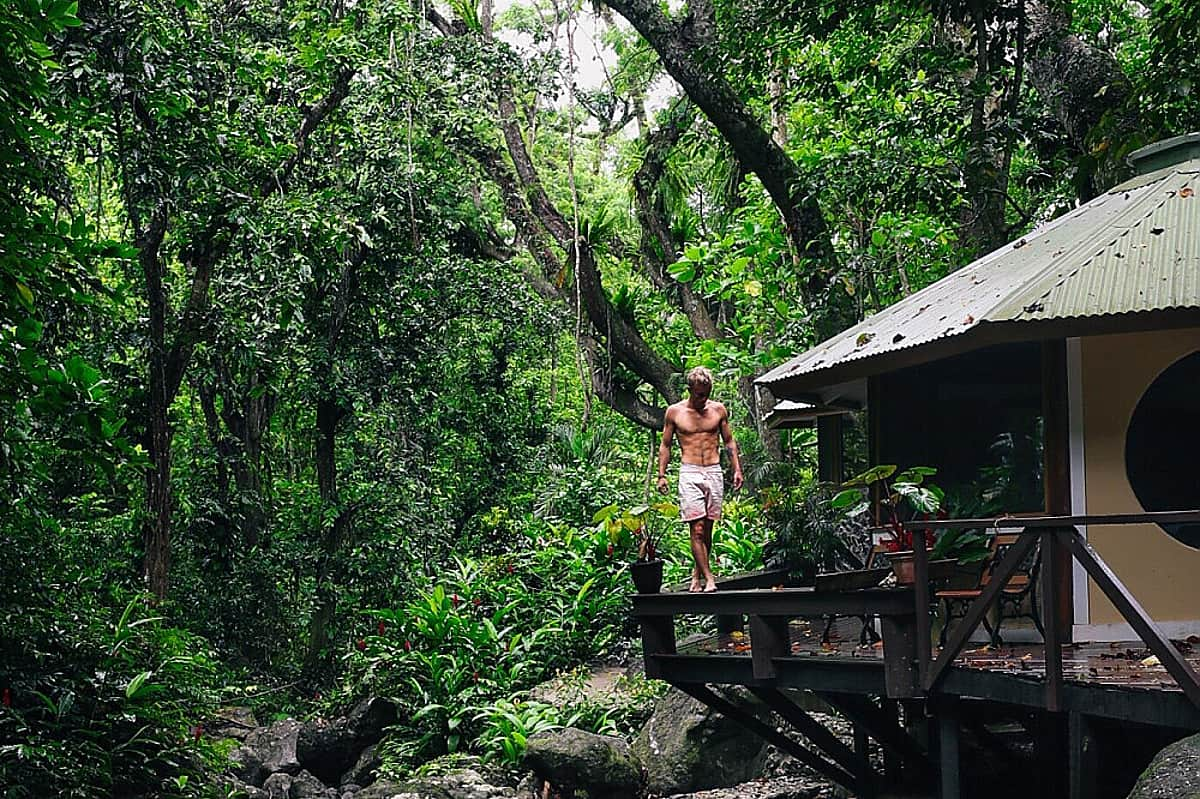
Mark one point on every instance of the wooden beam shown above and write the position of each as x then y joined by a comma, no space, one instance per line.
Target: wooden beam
816,732
831,771
977,609
1170,657
891,736
783,602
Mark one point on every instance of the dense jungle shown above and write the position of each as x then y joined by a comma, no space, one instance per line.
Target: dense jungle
336,335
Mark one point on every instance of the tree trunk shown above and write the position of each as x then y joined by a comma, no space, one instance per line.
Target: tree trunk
1088,93
156,527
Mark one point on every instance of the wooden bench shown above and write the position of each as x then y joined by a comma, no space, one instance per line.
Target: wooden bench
1021,586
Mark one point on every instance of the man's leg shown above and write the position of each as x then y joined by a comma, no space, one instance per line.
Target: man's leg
711,580
701,535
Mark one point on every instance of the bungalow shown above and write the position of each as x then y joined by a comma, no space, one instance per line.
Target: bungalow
1058,375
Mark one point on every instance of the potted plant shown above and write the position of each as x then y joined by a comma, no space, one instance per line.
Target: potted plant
639,523
907,488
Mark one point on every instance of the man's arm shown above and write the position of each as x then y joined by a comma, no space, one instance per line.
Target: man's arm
664,449
727,437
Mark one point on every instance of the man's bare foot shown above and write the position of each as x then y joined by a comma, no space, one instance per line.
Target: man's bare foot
695,587
710,586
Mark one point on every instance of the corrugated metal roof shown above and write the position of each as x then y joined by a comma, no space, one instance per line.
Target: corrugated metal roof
1133,250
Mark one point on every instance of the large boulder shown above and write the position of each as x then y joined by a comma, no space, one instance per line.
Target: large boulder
687,747
267,751
461,783
1173,774
328,748
578,760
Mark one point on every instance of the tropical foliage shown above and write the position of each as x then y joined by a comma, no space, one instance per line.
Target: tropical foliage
328,331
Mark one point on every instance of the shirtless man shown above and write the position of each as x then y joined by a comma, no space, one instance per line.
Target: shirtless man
697,421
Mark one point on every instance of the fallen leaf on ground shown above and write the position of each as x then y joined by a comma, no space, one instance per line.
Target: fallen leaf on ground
1151,661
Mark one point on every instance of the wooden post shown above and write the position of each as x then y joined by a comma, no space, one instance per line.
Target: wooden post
892,764
948,750
768,640
1084,757
829,449
921,600
1057,471
901,647
658,638
1052,624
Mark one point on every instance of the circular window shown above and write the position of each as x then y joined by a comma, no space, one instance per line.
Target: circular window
1162,446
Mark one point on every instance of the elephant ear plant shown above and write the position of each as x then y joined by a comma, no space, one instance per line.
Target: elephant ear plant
895,491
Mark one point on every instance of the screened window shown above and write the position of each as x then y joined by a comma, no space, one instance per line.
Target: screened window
978,419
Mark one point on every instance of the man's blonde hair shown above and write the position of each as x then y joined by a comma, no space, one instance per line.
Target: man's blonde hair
700,376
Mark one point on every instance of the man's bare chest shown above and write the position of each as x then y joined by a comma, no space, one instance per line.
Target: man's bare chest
692,423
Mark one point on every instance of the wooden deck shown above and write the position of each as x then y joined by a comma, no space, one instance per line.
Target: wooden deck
1118,664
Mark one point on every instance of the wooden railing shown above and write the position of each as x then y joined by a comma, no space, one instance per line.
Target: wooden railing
769,612
1058,536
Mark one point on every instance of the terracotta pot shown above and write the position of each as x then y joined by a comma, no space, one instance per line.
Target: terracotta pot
647,575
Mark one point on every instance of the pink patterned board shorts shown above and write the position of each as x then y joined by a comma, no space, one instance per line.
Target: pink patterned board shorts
701,491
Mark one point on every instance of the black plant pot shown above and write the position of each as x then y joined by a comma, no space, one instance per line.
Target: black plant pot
647,576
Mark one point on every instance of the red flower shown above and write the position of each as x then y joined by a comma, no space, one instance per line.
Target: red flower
408,646
6,698
477,601
476,676
610,550
198,732
454,600
509,568
361,644
380,628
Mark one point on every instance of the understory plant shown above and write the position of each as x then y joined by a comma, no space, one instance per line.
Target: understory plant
810,536
483,632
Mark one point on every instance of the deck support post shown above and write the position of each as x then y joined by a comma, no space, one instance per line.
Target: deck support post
921,600
890,714
948,751
1052,552
768,640
902,645
658,638
1084,757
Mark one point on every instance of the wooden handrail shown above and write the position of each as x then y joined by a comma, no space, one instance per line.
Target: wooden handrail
1116,592
1019,522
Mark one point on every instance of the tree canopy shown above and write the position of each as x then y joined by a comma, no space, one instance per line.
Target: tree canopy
306,304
